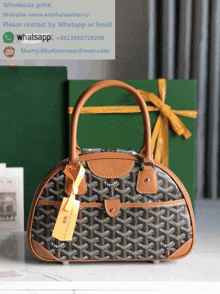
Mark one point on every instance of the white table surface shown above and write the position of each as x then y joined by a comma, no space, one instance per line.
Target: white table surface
203,265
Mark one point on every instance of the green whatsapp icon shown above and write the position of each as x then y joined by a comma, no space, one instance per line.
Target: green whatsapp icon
8,37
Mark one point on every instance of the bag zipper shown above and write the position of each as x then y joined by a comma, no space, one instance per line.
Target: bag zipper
97,150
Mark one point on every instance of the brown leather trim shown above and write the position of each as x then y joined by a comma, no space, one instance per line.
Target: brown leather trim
70,176
147,181
69,186
121,205
83,157
42,253
112,207
110,168
109,155
182,250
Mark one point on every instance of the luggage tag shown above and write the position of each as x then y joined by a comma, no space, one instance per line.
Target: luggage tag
67,216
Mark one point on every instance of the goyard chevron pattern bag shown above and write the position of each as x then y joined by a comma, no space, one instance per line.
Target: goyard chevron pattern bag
131,207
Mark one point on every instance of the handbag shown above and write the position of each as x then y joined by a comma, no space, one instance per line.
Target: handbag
131,208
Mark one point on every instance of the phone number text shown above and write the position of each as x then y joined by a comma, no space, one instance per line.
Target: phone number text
81,38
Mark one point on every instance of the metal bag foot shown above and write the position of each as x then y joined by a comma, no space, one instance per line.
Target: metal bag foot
156,261
65,262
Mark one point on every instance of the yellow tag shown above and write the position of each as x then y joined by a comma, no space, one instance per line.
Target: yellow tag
66,221
70,202
76,184
67,216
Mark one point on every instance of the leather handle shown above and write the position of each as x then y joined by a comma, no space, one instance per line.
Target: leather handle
74,154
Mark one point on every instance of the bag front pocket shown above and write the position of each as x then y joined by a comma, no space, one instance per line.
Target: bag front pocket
140,231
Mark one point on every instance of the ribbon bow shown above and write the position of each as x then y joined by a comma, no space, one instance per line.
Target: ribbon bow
159,139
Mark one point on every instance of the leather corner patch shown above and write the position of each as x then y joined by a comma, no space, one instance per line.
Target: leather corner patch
69,183
110,168
42,252
147,181
182,251
112,207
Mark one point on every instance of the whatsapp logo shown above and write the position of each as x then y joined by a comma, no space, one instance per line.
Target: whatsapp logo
8,37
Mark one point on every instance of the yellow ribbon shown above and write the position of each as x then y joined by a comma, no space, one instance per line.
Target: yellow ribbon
159,138
111,109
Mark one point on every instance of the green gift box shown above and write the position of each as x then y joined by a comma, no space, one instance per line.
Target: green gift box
32,105
125,130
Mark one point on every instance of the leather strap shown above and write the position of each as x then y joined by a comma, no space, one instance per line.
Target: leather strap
74,154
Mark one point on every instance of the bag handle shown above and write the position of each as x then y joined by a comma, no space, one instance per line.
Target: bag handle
74,153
